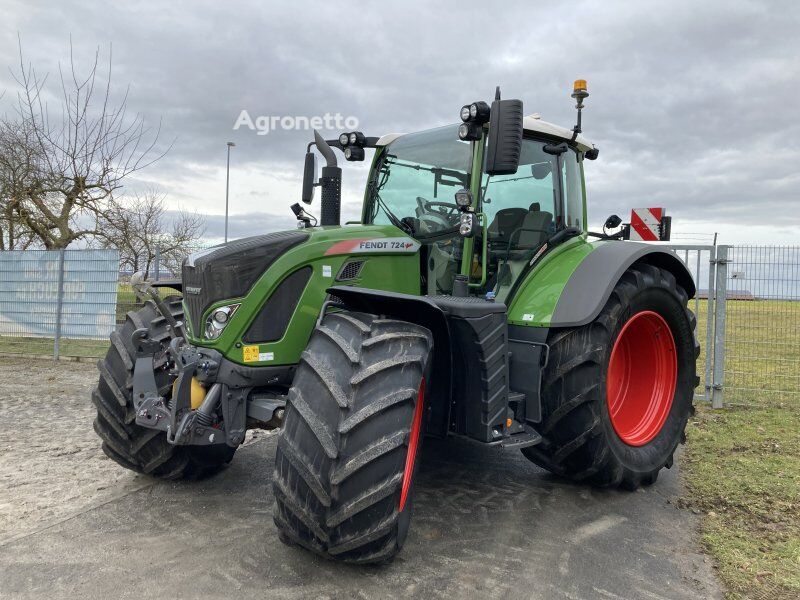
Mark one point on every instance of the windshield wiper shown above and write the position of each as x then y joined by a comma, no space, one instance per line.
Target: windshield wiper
393,219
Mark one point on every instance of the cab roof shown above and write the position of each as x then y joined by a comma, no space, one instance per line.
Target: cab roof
532,123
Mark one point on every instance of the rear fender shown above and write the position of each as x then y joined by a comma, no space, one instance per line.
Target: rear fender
589,287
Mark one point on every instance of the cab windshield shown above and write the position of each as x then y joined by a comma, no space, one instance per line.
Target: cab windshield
415,181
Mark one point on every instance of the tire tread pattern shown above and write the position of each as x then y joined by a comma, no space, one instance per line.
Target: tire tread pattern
574,444
341,452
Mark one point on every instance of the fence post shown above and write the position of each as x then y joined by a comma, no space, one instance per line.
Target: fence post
719,326
59,303
710,303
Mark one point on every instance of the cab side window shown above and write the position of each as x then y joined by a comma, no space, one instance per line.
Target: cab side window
532,184
522,209
572,181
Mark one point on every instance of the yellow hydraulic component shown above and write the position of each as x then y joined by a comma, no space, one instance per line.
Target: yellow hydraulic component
198,392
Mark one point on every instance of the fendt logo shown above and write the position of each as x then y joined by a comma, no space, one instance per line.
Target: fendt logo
385,245
378,245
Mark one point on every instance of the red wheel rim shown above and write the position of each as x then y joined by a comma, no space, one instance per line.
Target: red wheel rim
642,374
413,444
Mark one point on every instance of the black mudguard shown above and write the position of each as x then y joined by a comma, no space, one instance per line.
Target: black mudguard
590,285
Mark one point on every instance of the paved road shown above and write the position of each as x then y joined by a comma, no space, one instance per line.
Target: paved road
487,524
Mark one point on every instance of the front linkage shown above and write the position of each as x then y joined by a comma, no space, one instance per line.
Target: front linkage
191,416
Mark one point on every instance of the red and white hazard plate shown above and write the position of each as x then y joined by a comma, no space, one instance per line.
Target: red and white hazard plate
646,223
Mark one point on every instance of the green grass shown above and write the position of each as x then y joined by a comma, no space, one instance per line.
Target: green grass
742,463
762,352
742,470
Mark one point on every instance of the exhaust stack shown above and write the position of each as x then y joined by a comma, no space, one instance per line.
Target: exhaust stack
331,183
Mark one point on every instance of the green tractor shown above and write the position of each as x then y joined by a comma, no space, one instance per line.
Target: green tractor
470,300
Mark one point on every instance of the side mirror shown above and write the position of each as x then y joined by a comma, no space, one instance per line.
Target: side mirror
505,137
309,177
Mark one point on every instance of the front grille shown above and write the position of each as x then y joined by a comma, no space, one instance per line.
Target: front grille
230,270
350,270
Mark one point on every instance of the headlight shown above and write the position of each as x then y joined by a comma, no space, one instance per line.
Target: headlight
344,138
218,320
463,198
467,225
465,113
469,132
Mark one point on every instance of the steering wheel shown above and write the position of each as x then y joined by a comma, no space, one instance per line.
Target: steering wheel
441,214
447,209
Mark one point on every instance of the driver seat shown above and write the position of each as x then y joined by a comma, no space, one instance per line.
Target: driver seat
506,221
535,228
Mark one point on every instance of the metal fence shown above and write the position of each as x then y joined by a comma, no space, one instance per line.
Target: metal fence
748,310
701,260
57,302
762,325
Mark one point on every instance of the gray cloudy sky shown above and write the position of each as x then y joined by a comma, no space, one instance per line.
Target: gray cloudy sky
692,103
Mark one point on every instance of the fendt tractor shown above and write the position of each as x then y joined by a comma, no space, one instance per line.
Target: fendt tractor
470,300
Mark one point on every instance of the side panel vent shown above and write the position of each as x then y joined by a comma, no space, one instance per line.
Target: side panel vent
350,270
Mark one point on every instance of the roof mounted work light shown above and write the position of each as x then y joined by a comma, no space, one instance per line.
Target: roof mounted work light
354,153
479,112
357,138
469,132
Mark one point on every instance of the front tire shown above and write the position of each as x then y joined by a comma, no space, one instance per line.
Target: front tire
134,447
617,392
347,452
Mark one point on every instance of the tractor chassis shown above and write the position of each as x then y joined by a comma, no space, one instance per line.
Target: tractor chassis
490,404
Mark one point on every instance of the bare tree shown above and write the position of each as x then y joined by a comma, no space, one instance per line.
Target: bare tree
81,156
141,226
19,162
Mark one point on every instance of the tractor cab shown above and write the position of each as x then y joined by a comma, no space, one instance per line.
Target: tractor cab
414,181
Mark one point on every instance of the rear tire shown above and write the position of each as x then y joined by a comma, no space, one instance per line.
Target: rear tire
348,447
582,441
138,448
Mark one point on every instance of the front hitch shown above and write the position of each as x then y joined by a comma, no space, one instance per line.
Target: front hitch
182,424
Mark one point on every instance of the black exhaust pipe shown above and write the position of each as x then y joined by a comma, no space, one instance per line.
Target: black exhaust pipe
331,183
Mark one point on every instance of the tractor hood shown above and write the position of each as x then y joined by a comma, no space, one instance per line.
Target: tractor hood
230,271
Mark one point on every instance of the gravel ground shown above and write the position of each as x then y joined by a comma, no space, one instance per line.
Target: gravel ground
487,523
51,465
